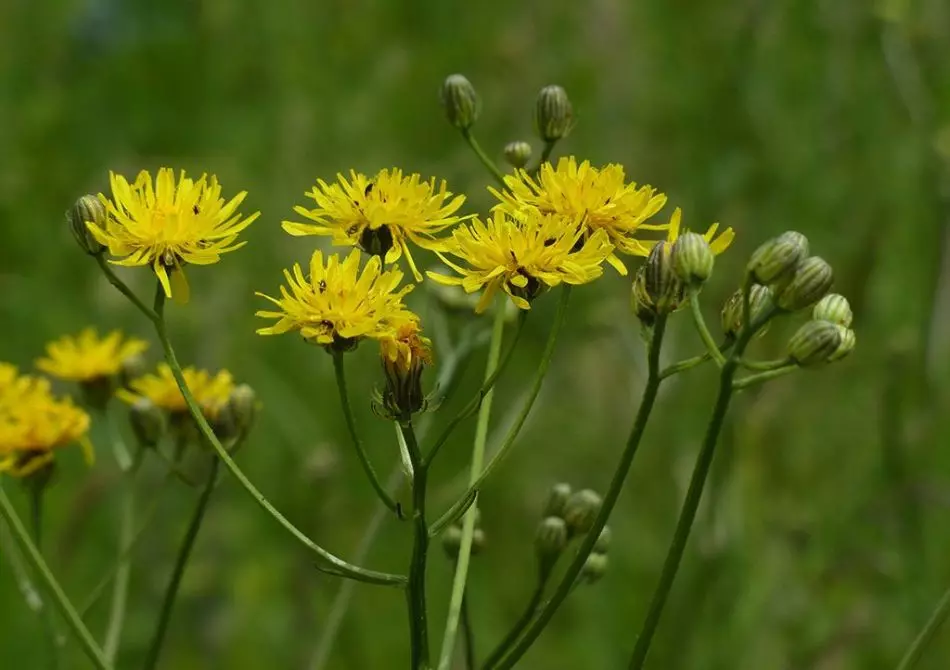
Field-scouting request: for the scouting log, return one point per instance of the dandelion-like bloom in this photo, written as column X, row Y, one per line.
column 211, row 392
column 522, row 256
column 599, row 198
column 405, row 354
column 380, row 214
column 167, row 224
column 338, row 305
column 87, row 357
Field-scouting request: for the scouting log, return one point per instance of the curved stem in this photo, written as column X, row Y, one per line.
column 483, row 157
column 711, row 347
column 416, row 588
column 530, row 609
column 937, row 617
column 468, row 635
column 764, row 366
column 348, row 570
column 58, row 597
column 746, row 382
column 478, row 456
column 184, row 553
column 340, row 374
column 462, row 504
column 685, row 364
column 564, row 587
column 125, row 290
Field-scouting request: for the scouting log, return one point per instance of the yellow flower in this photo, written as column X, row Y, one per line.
column 524, row 255
column 211, row 392
column 86, row 357
column 405, row 353
column 600, row 198
column 380, row 215
column 336, row 304
column 716, row 244
column 169, row 224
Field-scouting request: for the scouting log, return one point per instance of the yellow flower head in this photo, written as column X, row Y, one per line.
column 380, row 214
column 211, row 392
column 167, row 224
column 523, row 255
column 716, row 244
column 87, row 357
column 600, row 199
column 405, row 353
column 336, row 304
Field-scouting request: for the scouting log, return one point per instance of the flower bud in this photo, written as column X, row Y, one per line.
column 557, row 499
column 404, row 357
column 243, row 406
column 517, row 153
column 814, row 343
column 132, row 367
column 848, row 342
column 460, row 101
column 812, row 280
column 452, row 541
column 603, row 540
column 594, row 568
column 550, row 540
column 693, row 260
column 776, row 260
column 553, row 116
column 834, row 308
column 760, row 301
column 478, row 541
column 87, row 208
column 148, row 422
column 580, row 510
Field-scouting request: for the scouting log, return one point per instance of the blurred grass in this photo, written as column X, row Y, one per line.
column 825, row 535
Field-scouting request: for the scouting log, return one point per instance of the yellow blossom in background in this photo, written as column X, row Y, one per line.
column 335, row 301
column 167, row 224
column 211, row 392
column 381, row 215
column 86, row 357
column 599, row 198
column 523, row 255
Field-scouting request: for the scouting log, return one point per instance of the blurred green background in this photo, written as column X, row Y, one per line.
column 823, row 538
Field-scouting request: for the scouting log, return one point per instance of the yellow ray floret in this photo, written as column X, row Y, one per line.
column 523, row 255
column 335, row 301
column 599, row 197
column 405, row 348
column 167, row 224
column 717, row 244
column 211, row 392
column 381, row 215
column 86, row 356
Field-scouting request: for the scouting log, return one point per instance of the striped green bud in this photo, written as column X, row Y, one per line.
column 517, row 153
column 87, row 208
column 776, row 260
column 460, row 101
column 814, row 343
column 834, row 308
column 554, row 115
column 812, row 280
column 693, row 260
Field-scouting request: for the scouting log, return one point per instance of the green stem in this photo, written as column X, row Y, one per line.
column 468, row 527
column 416, row 588
column 462, row 504
column 937, row 617
column 683, row 365
column 184, row 553
column 711, row 347
column 58, row 597
column 764, row 366
column 564, row 587
column 340, row 374
column 30, row 596
column 546, row 152
column 468, row 635
column 483, row 157
column 523, row 621
column 751, row 380
column 347, row 570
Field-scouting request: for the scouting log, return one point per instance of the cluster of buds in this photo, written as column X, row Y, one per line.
column 796, row 279
column 827, row 337
column 452, row 537
column 569, row 514
column 671, row 269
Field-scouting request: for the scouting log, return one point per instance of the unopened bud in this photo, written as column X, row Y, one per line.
column 595, row 567
column 580, row 511
column 603, row 540
column 243, row 406
column 656, row 289
column 132, row 367
column 148, row 422
column 834, row 308
column 478, row 541
column 460, row 101
column 693, row 260
column 776, row 260
column 517, row 153
column 848, row 342
column 550, row 540
column 557, row 499
column 760, row 301
column 452, row 541
column 554, row 115
column 87, row 208
column 814, row 343
column 812, row 280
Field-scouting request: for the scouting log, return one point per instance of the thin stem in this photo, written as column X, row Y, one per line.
column 468, row 634
column 466, row 499
column 566, row 584
column 58, row 597
column 518, row 628
column 33, row 600
column 184, row 553
column 340, row 374
column 125, row 290
column 347, row 570
column 416, row 591
column 685, row 364
column 49, row 621
column 483, row 157
column 746, row 382
column 937, row 617
column 711, row 347
column 468, row 527
column 764, row 366
column 546, row 152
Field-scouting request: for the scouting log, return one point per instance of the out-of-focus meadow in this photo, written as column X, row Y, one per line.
column 823, row 539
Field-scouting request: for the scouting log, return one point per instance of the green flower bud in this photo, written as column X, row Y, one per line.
column 603, row 540
column 557, row 499
column 550, row 540
column 452, row 541
column 812, row 280
column 460, row 101
column 594, row 568
column 517, row 153
column 814, row 343
column 478, row 541
column 656, row 289
column 148, row 422
column 554, row 115
column 834, row 308
column 848, row 342
column 243, row 406
column 87, row 208
column 132, row 367
column 776, row 260
column 580, row 510
column 760, row 301
column 693, row 260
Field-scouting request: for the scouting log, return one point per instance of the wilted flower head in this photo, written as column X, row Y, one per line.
column 87, row 357
column 167, row 224
column 381, row 214
column 404, row 354
column 211, row 392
